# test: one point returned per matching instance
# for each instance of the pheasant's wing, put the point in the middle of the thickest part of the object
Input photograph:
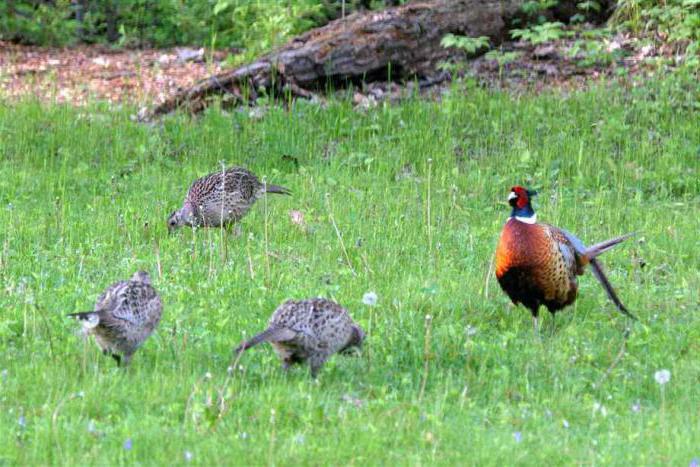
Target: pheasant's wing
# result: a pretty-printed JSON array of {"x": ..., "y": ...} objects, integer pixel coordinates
[
  {"x": 240, "y": 180},
  {"x": 569, "y": 247},
  {"x": 112, "y": 296},
  {"x": 576, "y": 242},
  {"x": 135, "y": 304}
]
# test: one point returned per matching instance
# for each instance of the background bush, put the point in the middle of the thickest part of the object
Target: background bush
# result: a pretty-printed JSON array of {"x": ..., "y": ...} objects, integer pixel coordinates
[{"x": 256, "y": 24}]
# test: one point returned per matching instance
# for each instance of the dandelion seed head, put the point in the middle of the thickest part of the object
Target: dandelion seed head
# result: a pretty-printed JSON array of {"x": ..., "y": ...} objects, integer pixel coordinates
[
  {"x": 369, "y": 299},
  {"x": 188, "y": 456},
  {"x": 662, "y": 376},
  {"x": 517, "y": 436}
]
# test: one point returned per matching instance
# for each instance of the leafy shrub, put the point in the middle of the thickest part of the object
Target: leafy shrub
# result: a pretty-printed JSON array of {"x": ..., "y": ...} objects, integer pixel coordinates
[
  {"x": 470, "y": 45},
  {"x": 540, "y": 33},
  {"x": 37, "y": 22},
  {"x": 675, "y": 21}
]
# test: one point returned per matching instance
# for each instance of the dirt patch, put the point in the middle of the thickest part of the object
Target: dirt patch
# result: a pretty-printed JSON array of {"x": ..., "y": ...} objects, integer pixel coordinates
[
  {"x": 146, "y": 77},
  {"x": 81, "y": 74}
]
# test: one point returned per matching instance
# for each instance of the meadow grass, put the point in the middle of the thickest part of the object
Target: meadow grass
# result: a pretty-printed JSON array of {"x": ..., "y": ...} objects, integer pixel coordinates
[{"x": 450, "y": 372}]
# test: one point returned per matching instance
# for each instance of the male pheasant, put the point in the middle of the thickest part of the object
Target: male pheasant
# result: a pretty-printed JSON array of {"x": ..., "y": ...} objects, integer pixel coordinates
[
  {"x": 221, "y": 198},
  {"x": 124, "y": 316},
  {"x": 308, "y": 330},
  {"x": 537, "y": 264}
]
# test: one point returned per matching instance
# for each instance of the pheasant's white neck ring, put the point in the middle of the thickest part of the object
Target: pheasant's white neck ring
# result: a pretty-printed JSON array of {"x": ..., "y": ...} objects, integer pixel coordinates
[{"x": 528, "y": 220}]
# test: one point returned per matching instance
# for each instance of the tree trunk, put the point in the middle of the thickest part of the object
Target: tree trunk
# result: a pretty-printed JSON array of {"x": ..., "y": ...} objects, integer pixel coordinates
[{"x": 397, "y": 43}]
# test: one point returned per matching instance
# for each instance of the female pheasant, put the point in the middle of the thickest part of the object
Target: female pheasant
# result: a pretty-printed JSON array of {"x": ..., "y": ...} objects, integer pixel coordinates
[
  {"x": 537, "y": 264},
  {"x": 221, "y": 198},
  {"x": 308, "y": 331},
  {"x": 125, "y": 315}
]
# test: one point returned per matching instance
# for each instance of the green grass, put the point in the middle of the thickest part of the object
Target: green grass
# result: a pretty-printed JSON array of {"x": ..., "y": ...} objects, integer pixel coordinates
[{"x": 418, "y": 194}]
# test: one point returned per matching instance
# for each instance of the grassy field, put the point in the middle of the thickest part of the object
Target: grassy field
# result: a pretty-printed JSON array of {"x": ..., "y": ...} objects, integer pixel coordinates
[{"x": 450, "y": 373}]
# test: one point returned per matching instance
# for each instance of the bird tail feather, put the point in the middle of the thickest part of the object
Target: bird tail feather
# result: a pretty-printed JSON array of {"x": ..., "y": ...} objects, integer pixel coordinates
[
  {"x": 277, "y": 189},
  {"x": 600, "y": 248},
  {"x": 268, "y": 335},
  {"x": 597, "y": 269},
  {"x": 90, "y": 319}
]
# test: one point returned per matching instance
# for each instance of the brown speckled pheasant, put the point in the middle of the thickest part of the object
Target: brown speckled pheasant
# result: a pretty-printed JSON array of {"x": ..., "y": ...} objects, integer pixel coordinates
[
  {"x": 221, "y": 198},
  {"x": 308, "y": 330},
  {"x": 537, "y": 264},
  {"x": 124, "y": 316}
]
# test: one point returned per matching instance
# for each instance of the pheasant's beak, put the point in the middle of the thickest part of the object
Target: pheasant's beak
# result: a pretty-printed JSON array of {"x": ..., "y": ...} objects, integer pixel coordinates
[{"x": 512, "y": 196}]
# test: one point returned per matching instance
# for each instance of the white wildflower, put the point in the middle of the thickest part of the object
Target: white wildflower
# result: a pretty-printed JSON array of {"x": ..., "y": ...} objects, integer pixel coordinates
[
  {"x": 369, "y": 299},
  {"x": 662, "y": 376}
]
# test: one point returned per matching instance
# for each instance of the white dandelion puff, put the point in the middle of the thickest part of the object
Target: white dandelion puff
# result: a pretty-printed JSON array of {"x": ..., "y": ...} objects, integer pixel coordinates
[
  {"x": 370, "y": 299},
  {"x": 662, "y": 376}
]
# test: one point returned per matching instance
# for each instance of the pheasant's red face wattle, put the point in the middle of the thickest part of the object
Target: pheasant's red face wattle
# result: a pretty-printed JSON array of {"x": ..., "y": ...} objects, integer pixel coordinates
[{"x": 522, "y": 198}]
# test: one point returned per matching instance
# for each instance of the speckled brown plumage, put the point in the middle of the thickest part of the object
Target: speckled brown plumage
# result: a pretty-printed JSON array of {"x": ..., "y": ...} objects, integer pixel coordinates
[
  {"x": 538, "y": 264},
  {"x": 221, "y": 198},
  {"x": 125, "y": 315},
  {"x": 308, "y": 330}
]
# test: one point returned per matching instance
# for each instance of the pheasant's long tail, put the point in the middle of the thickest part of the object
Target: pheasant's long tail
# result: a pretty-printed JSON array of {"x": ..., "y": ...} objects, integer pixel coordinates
[
  {"x": 280, "y": 190},
  {"x": 602, "y": 278},
  {"x": 90, "y": 319},
  {"x": 600, "y": 248},
  {"x": 269, "y": 334}
]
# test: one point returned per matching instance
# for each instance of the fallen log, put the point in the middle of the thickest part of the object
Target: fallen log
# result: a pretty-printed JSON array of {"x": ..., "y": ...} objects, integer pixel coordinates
[{"x": 394, "y": 44}]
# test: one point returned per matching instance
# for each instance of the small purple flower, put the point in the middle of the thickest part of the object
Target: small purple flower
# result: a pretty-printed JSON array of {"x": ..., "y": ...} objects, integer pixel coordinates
[
  {"x": 22, "y": 422},
  {"x": 695, "y": 462},
  {"x": 517, "y": 436},
  {"x": 128, "y": 444},
  {"x": 636, "y": 407}
]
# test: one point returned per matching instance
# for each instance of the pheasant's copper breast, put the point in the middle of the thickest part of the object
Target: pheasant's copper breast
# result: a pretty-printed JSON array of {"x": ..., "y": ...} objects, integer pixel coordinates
[{"x": 537, "y": 265}]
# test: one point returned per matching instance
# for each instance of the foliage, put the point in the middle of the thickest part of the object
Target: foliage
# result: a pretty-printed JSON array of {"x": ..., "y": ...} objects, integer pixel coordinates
[
  {"x": 38, "y": 22},
  {"x": 260, "y": 25},
  {"x": 592, "y": 49},
  {"x": 673, "y": 20},
  {"x": 503, "y": 58},
  {"x": 254, "y": 24},
  {"x": 84, "y": 194},
  {"x": 540, "y": 33},
  {"x": 470, "y": 45}
]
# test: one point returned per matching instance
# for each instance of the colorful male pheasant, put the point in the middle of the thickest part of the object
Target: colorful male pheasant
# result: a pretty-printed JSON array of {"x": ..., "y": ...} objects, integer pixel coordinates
[{"x": 537, "y": 264}]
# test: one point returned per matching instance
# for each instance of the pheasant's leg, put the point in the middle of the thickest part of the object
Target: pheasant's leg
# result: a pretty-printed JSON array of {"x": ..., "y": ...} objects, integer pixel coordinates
[
  {"x": 126, "y": 359},
  {"x": 316, "y": 362},
  {"x": 535, "y": 326},
  {"x": 237, "y": 230},
  {"x": 117, "y": 359},
  {"x": 554, "y": 324}
]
